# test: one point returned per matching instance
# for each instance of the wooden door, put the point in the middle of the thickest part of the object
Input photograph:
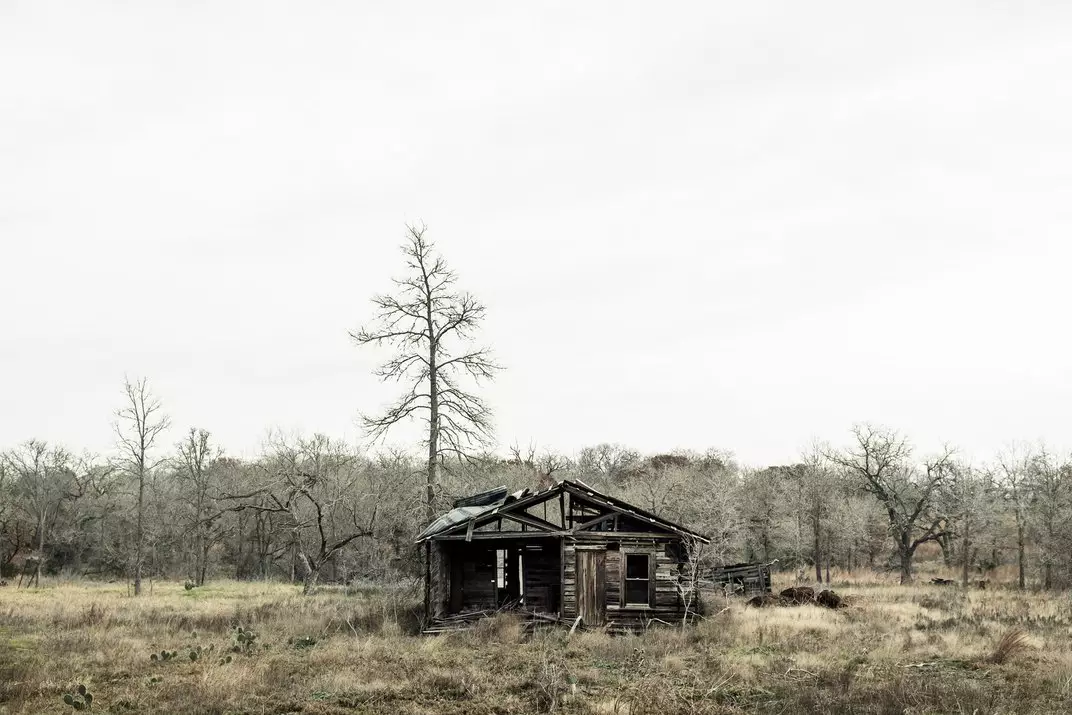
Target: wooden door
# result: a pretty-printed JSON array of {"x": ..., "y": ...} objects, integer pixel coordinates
[{"x": 591, "y": 586}]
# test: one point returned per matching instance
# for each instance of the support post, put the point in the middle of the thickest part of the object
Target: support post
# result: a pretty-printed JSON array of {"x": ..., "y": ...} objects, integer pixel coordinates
[{"x": 427, "y": 582}]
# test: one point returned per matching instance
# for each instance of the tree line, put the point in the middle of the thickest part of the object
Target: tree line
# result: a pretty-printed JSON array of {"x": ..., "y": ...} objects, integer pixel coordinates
[{"x": 311, "y": 507}]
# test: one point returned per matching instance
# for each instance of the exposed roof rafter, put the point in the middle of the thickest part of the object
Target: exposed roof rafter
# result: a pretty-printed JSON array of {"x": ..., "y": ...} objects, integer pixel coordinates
[{"x": 467, "y": 516}]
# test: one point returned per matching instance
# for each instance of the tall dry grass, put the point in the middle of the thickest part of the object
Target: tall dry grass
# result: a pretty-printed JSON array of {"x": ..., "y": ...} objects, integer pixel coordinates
[{"x": 897, "y": 649}]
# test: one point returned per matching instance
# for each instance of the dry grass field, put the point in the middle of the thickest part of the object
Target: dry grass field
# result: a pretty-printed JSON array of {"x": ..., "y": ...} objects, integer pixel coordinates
[{"x": 922, "y": 649}]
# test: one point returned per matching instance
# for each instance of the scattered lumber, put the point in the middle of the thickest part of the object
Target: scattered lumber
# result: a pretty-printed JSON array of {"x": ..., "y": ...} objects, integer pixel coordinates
[{"x": 455, "y": 622}]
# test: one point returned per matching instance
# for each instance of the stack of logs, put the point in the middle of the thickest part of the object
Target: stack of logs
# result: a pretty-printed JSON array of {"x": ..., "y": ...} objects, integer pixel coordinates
[{"x": 798, "y": 596}]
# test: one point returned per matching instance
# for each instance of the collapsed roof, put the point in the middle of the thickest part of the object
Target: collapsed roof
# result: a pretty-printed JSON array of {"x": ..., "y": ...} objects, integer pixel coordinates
[{"x": 485, "y": 505}]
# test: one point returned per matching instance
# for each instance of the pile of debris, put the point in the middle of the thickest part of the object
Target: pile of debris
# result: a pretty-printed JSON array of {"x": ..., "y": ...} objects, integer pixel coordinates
[
  {"x": 950, "y": 582},
  {"x": 798, "y": 596},
  {"x": 455, "y": 622}
]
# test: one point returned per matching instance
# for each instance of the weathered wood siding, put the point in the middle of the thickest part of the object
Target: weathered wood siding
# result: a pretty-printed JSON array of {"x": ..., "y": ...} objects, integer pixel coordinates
[
  {"x": 665, "y": 602},
  {"x": 569, "y": 580},
  {"x": 439, "y": 581},
  {"x": 591, "y": 584},
  {"x": 614, "y": 576}
]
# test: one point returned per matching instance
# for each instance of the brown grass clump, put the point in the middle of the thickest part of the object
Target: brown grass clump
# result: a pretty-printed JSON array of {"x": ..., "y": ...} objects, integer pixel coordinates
[{"x": 1012, "y": 642}]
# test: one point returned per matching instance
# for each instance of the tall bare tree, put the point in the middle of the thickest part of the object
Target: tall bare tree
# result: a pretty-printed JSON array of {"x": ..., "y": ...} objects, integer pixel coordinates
[
  {"x": 139, "y": 424},
  {"x": 432, "y": 326},
  {"x": 880, "y": 460}
]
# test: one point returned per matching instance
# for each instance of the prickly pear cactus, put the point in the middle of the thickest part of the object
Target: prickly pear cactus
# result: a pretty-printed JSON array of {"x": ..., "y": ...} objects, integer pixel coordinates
[
  {"x": 244, "y": 640},
  {"x": 81, "y": 699}
]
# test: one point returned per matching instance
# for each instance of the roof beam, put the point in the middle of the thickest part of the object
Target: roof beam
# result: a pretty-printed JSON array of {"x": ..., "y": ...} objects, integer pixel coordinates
[
  {"x": 533, "y": 521},
  {"x": 595, "y": 497},
  {"x": 592, "y": 522},
  {"x": 491, "y": 535}
]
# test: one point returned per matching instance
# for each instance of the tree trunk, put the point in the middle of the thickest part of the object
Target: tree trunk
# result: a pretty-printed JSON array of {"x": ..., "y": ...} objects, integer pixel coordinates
[
  {"x": 904, "y": 551},
  {"x": 40, "y": 553},
  {"x": 816, "y": 556},
  {"x": 1020, "y": 553},
  {"x": 202, "y": 567},
  {"x": 947, "y": 550},
  {"x": 433, "y": 449},
  {"x": 309, "y": 583},
  {"x": 966, "y": 556},
  {"x": 311, "y": 575},
  {"x": 139, "y": 531},
  {"x": 433, "y": 425}
]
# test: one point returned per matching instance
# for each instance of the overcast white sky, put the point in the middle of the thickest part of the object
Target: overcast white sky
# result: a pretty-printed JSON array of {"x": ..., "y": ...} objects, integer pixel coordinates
[{"x": 731, "y": 224}]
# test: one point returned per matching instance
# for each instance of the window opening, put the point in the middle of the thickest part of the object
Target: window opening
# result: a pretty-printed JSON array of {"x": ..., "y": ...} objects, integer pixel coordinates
[{"x": 637, "y": 580}]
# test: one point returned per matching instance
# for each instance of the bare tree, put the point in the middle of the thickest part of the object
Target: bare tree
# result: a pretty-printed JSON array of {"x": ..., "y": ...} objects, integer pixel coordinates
[
  {"x": 139, "y": 423},
  {"x": 11, "y": 536},
  {"x": 1015, "y": 462},
  {"x": 709, "y": 504},
  {"x": 969, "y": 498},
  {"x": 43, "y": 481},
  {"x": 544, "y": 464},
  {"x": 432, "y": 326},
  {"x": 314, "y": 485},
  {"x": 812, "y": 491},
  {"x": 659, "y": 486},
  {"x": 607, "y": 464},
  {"x": 200, "y": 490},
  {"x": 880, "y": 460},
  {"x": 688, "y": 577},
  {"x": 1050, "y": 484},
  {"x": 762, "y": 499}
]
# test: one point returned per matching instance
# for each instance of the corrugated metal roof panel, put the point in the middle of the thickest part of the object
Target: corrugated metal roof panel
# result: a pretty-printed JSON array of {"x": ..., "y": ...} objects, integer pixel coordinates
[
  {"x": 491, "y": 496},
  {"x": 455, "y": 516}
]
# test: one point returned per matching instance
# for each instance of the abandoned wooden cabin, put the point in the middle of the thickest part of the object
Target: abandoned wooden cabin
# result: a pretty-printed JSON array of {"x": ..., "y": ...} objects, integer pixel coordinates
[{"x": 565, "y": 551}]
